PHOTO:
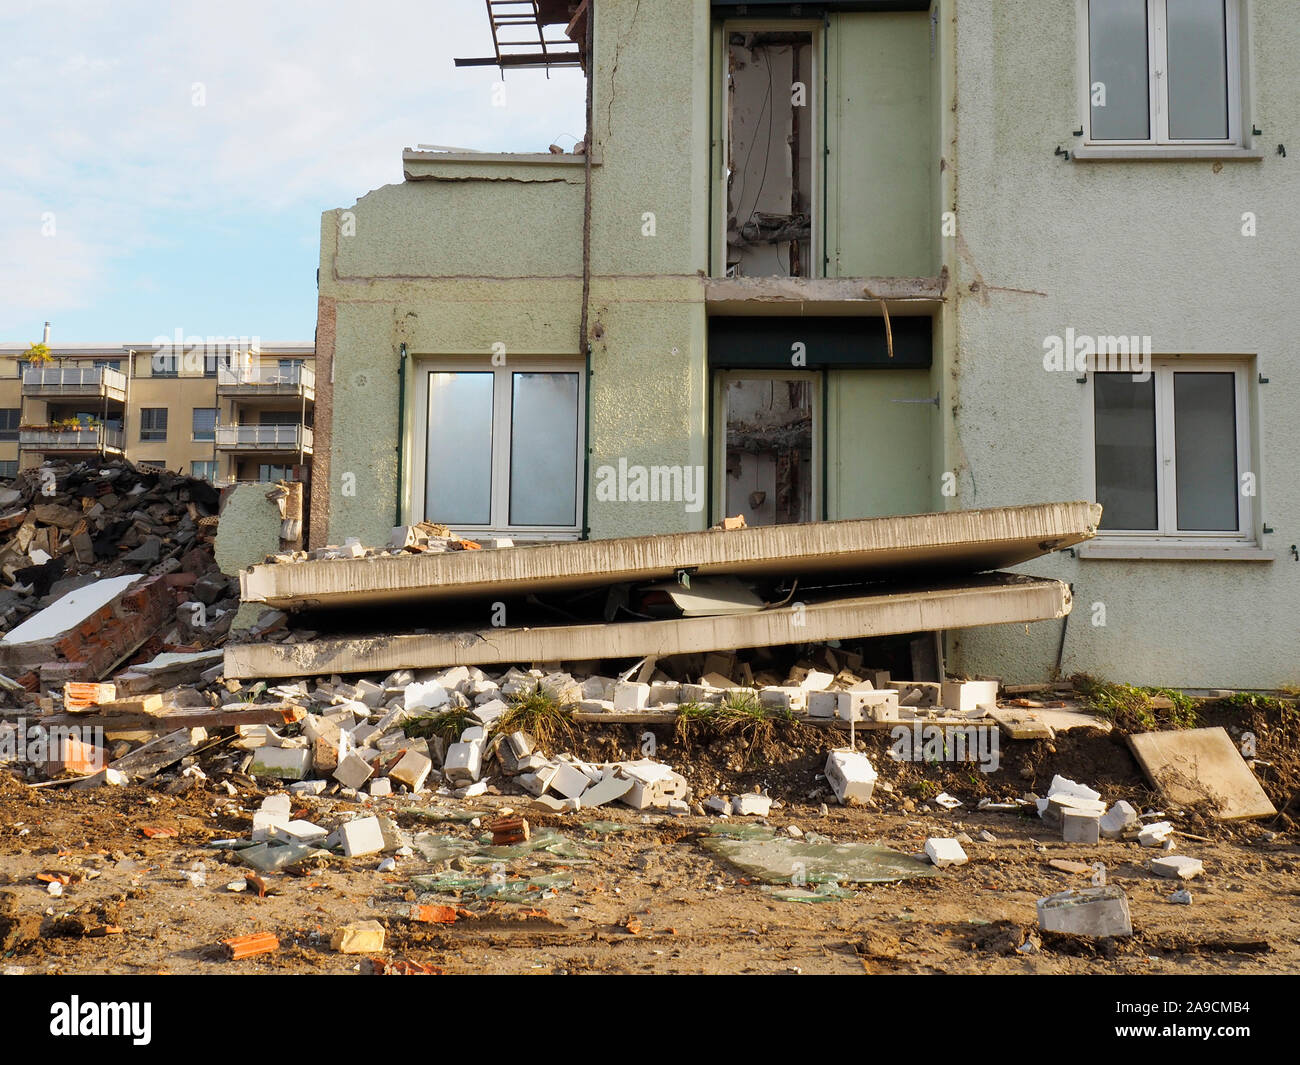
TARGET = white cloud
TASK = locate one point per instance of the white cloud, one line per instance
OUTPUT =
(307, 107)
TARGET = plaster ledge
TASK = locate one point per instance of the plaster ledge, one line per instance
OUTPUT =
(1180, 552)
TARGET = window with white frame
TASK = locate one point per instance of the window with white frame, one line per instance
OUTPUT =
(1164, 72)
(502, 448)
(1171, 452)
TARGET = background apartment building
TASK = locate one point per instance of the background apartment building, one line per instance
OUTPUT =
(217, 411)
(823, 253)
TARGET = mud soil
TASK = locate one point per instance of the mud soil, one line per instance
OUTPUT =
(648, 898)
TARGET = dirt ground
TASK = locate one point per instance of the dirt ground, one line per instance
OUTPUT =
(645, 896)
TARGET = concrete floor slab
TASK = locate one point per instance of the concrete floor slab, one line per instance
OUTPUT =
(936, 545)
(989, 599)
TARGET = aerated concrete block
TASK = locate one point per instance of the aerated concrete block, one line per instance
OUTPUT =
(823, 703)
(412, 770)
(1177, 866)
(287, 763)
(851, 776)
(353, 771)
(945, 852)
(631, 696)
(1080, 826)
(363, 836)
(463, 763)
(966, 695)
(751, 804)
(1119, 819)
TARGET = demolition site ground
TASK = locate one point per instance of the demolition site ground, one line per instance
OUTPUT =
(635, 893)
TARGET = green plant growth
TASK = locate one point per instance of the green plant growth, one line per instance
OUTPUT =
(1134, 708)
(38, 355)
(1245, 701)
(448, 725)
(541, 715)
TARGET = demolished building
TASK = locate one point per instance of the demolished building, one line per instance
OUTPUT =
(809, 268)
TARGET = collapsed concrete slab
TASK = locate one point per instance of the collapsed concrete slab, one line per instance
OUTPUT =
(989, 599)
(936, 545)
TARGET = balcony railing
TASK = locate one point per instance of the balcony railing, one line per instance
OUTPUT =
(75, 381)
(96, 440)
(264, 438)
(267, 381)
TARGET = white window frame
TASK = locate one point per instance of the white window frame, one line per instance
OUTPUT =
(1167, 532)
(815, 109)
(1158, 82)
(720, 380)
(502, 399)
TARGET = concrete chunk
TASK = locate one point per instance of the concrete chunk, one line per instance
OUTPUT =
(944, 853)
(412, 770)
(1094, 912)
(353, 771)
(1119, 819)
(851, 776)
(1080, 826)
(750, 804)
(1177, 866)
(363, 836)
(359, 937)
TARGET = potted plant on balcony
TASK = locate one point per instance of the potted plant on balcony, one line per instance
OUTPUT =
(38, 355)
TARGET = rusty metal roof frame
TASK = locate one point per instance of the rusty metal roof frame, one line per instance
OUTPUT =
(523, 37)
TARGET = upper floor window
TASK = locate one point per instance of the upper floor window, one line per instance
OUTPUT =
(1164, 72)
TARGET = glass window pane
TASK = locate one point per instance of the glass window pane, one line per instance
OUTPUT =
(458, 481)
(1117, 49)
(544, 449)
(205, 423)
(1198, 70)
(769, 449)
(1124, 414)
(1205, 451)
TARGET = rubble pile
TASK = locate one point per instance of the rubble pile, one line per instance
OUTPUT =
(64, 526)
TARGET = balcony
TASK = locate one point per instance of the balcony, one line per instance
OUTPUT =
(268, 439)
(75, 382)
(96, 440)
(267, 382)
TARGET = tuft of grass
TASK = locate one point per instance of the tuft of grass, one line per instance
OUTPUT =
(448, 725)
(542, 716)
(1131, 707)
(740, 716)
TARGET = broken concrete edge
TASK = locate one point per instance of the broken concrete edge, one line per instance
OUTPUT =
(953, 541)
(991, 599)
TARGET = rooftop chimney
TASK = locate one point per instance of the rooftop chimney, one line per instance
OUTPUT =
(45, 338)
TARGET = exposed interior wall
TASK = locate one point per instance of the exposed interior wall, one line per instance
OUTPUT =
(772, 102)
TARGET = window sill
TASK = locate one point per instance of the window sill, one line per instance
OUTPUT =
(1184, 552)
(1163, 153)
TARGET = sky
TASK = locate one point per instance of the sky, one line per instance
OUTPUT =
(164, 165)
